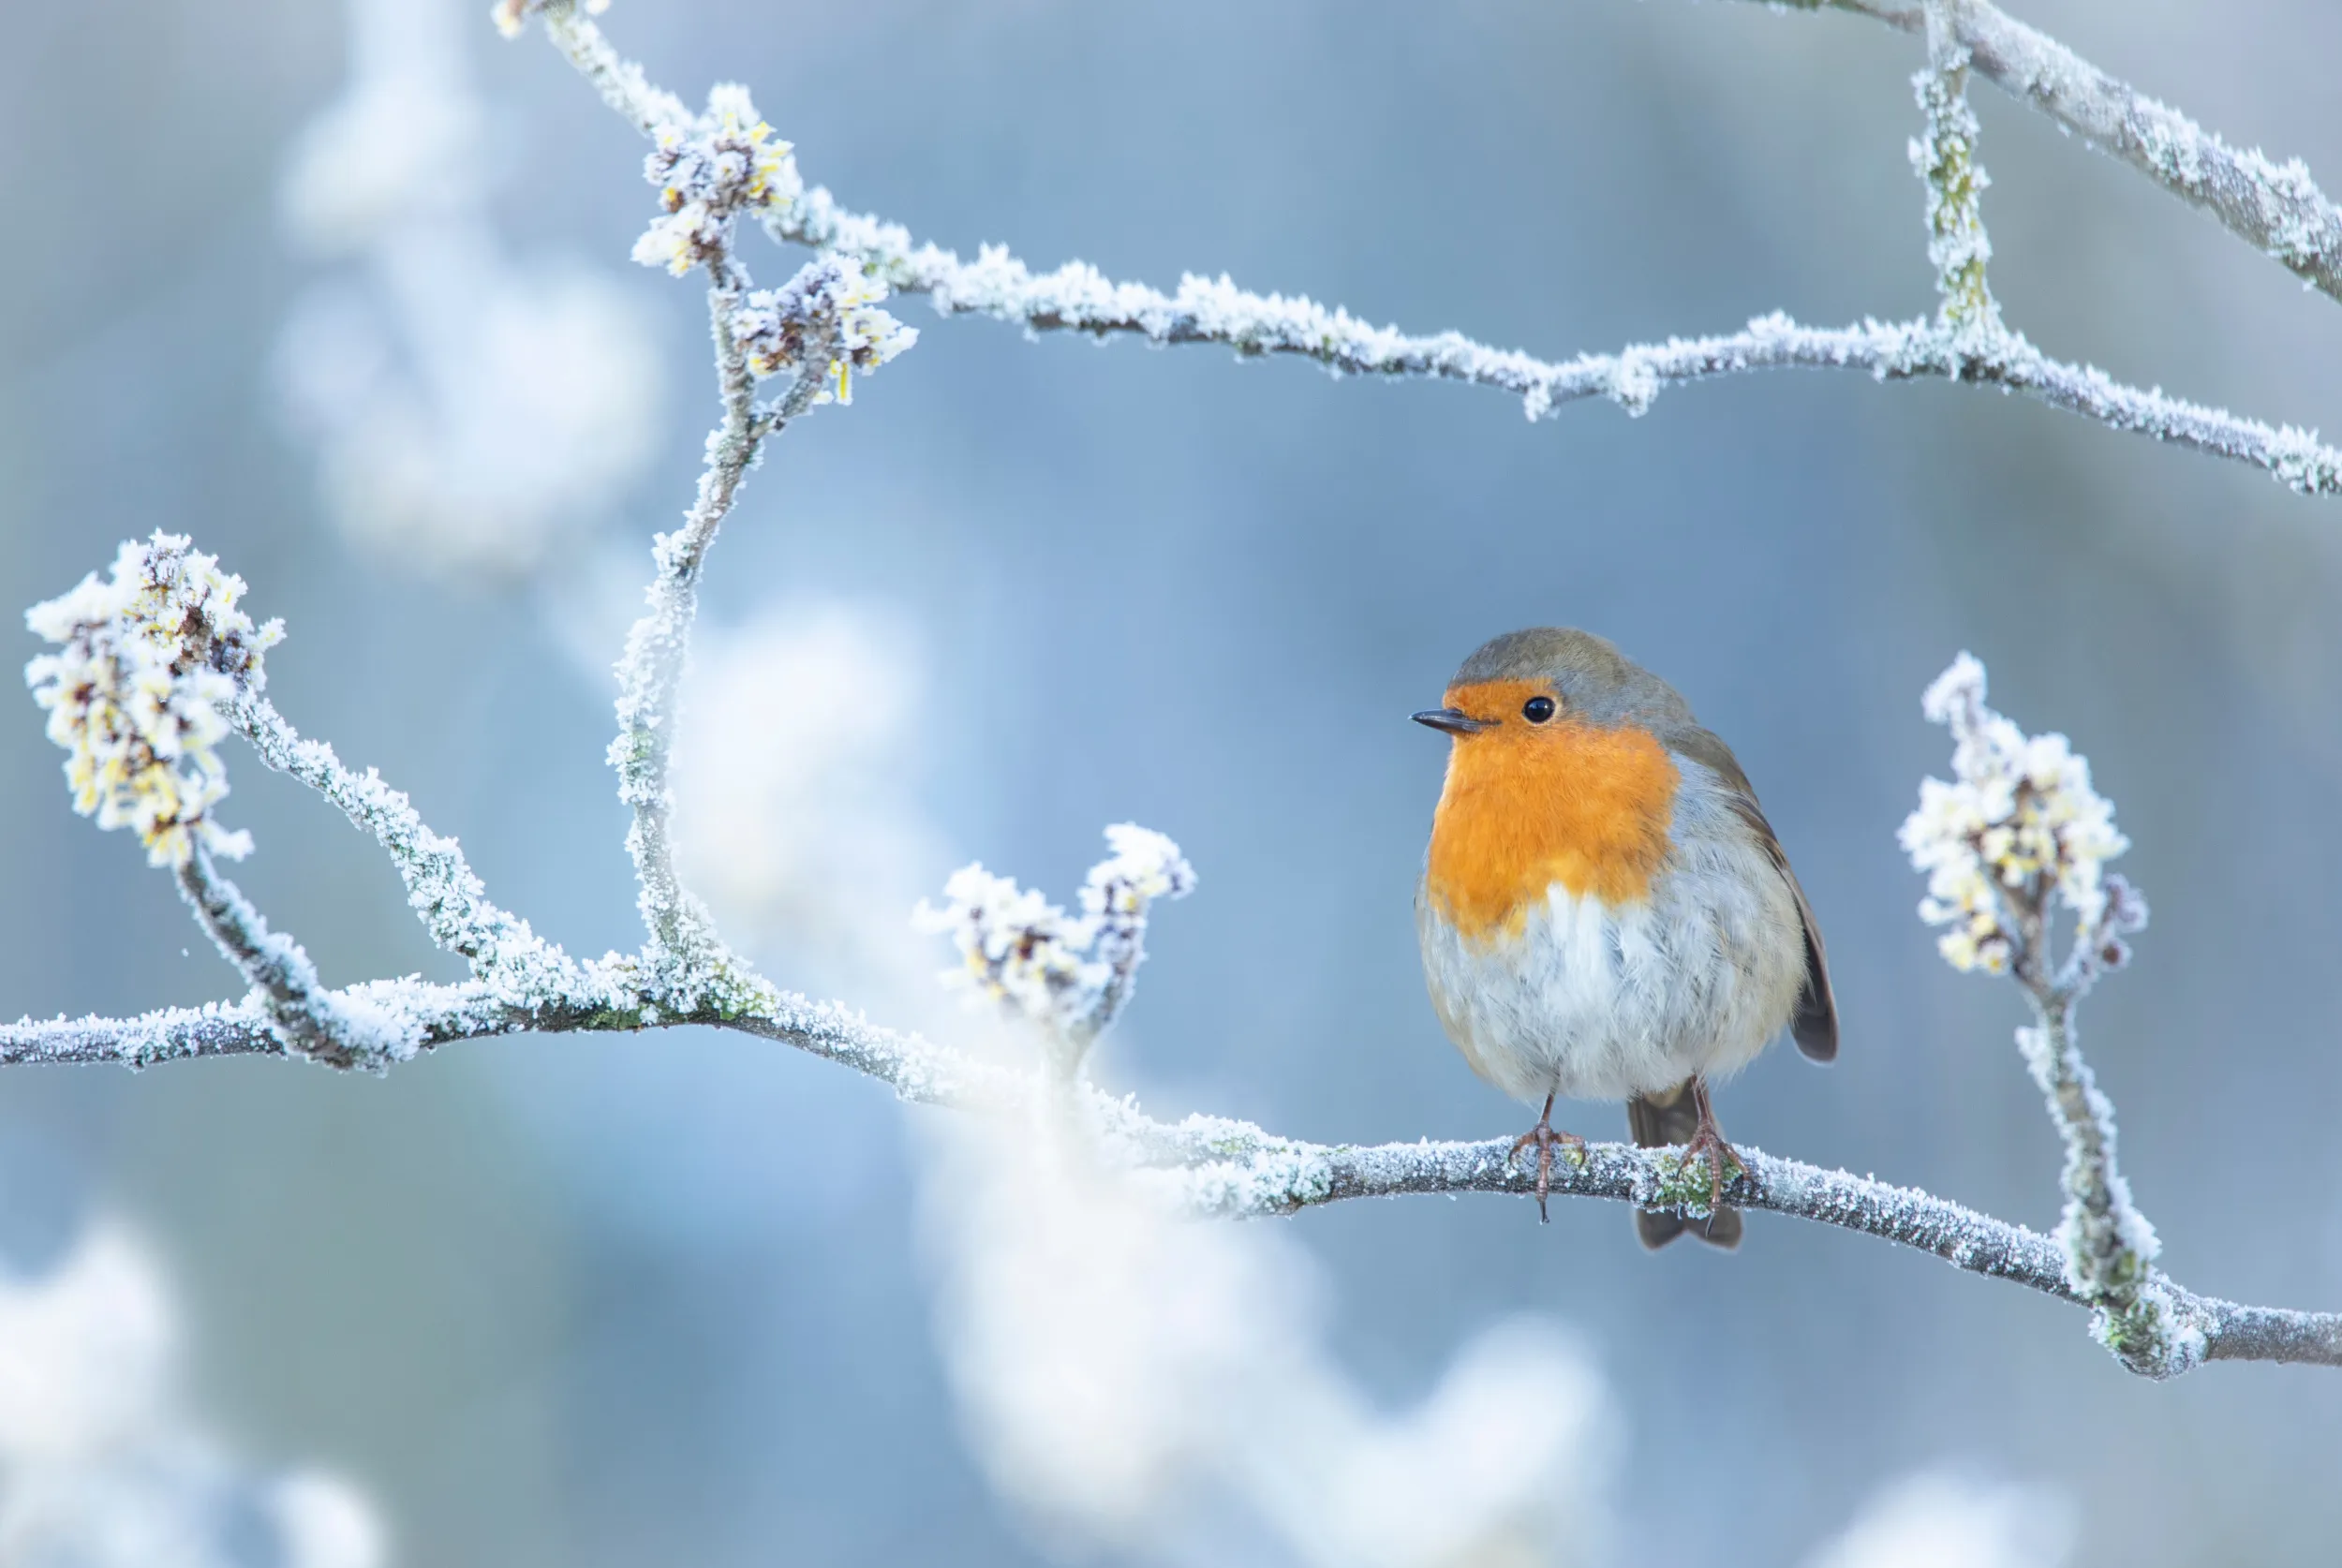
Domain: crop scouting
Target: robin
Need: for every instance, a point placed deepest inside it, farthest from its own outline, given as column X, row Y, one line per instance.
column 1605, row 912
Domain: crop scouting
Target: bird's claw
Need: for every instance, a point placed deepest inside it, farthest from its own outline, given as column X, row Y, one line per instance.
column 1709, row 1143
column 1544, row 1136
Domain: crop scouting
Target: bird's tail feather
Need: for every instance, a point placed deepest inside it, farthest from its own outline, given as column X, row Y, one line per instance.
column 1657, row 1120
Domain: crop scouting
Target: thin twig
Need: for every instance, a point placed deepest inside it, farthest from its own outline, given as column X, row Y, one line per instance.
column 1945, row 158
column 445, row 894
column 651, row 672
column 1077, row 298
column 302, row 1014
column 2276, row 207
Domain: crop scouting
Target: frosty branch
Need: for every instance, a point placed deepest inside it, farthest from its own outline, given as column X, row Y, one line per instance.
column 1076, row 296
column 2276, row 207
column 157, row 662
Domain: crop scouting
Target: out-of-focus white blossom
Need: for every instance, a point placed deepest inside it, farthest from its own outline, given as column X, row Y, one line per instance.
column 797, row 813
column 830, row 308
column 147, row 656
column 101, row 1465
column 1070, row 974
column 1940, row 1520
column 472, row 411
column 1120, row 1361
column 2018, row 822
column 725, row 163
column 1128, row 1374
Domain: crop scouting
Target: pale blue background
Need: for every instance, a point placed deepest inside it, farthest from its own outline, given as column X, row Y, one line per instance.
column 670, row 1310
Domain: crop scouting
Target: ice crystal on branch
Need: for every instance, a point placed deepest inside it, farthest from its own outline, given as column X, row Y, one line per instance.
column 725, row 163
column 2017, row 825
column 133, row 694
column 1070, row 974
column 830, row 309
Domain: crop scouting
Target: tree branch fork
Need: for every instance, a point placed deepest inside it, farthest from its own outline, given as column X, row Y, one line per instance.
column 720, row 172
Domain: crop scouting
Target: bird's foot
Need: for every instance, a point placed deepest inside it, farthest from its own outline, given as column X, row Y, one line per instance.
column 1708, row 1142
column 1544, row 1135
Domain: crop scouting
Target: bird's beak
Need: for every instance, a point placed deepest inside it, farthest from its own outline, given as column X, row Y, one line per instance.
column 1455, row 723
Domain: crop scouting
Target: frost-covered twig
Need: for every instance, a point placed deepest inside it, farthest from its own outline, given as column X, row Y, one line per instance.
column 2276, row 207
column 1258, row 1173
column 1068, row 976
column 621, row 81
column 303, row 1013
column 148, row 658
column 145, row 658
column 614, row 999
column 710, row 172
column 1076, row 296
column 445, row 894
column 1207, row 1166
column 2019, row 831
column 2109, row 1248
column 1231, row 1169
column 1945, row 157
column 651, row 670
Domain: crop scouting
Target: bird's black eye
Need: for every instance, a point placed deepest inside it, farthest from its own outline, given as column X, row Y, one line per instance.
column 1536, row 710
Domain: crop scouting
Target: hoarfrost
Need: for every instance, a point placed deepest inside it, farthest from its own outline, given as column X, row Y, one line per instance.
column 829, row 308
column 1069, row 975
column 148, row 658
column 2018, row 824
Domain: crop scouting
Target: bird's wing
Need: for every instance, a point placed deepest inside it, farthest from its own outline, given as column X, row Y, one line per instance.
column 1814, row 1024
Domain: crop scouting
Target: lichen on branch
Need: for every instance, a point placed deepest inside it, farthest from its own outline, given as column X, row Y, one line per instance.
column 1944, row 155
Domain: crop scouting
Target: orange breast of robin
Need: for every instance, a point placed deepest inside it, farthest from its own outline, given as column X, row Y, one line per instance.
column 1527, row 807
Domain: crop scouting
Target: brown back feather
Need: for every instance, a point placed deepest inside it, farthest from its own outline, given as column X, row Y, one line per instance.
column 1815, row 1023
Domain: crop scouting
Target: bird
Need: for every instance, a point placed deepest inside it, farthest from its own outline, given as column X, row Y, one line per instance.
column 1604, row 912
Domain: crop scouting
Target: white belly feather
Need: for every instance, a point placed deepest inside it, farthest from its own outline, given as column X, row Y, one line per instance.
column 1599, row 1004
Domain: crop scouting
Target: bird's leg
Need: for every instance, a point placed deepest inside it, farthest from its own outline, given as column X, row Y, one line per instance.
column 1545, row 1137
column 1708, row 1139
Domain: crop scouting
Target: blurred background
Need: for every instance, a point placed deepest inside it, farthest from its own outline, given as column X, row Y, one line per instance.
column 342, row 292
